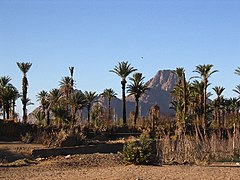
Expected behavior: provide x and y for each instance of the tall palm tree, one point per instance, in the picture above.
(77, 102)
(136, 88)
(109, 94)
(89, 97)
(196, 105)
(177, 104)
(123, 69)
(237, 71)
(218, 102)
(180, 72)
(205, 71)
(24, 67)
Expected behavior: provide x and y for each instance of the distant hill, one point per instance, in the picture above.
(159, 86)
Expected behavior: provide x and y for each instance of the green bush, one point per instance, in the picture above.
(138, 152)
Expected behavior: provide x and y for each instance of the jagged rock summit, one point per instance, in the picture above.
(160, 87)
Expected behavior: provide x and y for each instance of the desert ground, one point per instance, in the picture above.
(99, 166)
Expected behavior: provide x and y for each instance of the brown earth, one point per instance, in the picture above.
(101, 166)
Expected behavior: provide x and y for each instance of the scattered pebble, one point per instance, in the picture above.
(68, 157)
(40, 159)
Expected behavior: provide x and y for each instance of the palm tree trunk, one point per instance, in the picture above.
(88, 109)
(24, 113)
(136, 111)
(123, 82)
(73, 115)
(8, 111)
(67, 98)
(24, 98)
(185, 96)
(48, 117)
(109, 109)
(4, 110)
(205, 108)
(13, 109)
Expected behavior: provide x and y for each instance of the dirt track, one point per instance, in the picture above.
(102, 166)
(108, 166)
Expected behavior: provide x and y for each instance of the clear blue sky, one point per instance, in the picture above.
(93, 36)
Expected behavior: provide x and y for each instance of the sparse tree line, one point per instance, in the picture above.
(201, 128)
(65, 103)
(190, 100)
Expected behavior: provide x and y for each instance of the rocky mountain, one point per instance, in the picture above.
(159, 86)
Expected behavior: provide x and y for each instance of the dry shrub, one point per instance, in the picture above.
(55, 137)
(182, 150)
(186, 149)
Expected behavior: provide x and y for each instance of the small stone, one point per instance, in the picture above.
(39, 159)
(68, 157)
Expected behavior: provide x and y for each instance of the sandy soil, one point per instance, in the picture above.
(109, 166)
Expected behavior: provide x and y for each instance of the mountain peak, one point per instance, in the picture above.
(164, 80)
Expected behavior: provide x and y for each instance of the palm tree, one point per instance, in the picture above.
(218, 101)
(61, 114)
(39, 116)
(89, 97)
(4, 87)
(177, 104)
(24, 67)
(237, 71)
(42, 97)
(8, 96)
(66, 87)
(196, 105)
(14, 95)
(77, 101)
(109, 94)
(136, 88)
(182, 84)
(123, 69)
(54, 99)
(205, 71)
